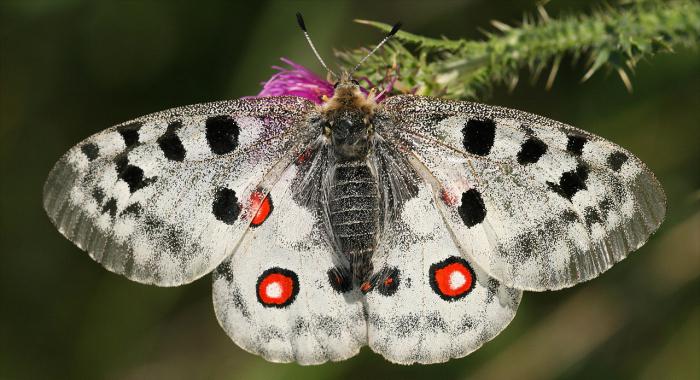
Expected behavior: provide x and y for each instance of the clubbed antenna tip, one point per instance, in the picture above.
(300, 21)
(393, 31)
(302, 25)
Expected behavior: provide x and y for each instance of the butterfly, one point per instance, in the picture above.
(411, 225)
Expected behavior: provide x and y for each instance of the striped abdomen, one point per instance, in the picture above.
(354, 215)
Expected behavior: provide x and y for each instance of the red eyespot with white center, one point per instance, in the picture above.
(277, 287)
(452, 278)
(261, 205)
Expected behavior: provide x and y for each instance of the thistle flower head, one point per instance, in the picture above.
(297, 80)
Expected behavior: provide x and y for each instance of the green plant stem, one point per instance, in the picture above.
(615, 39)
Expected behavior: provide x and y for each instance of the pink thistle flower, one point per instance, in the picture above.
(296, 81)
(300, 81)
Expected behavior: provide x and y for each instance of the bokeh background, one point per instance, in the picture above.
(69, 68)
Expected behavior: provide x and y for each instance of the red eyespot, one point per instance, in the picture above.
(262, 205)
(277, 287)
(452, 278)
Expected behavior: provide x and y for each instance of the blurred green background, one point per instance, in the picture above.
(69, 68)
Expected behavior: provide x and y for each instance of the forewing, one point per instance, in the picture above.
(163, 199)
(280, 295)
(536, 203)
(431, 304)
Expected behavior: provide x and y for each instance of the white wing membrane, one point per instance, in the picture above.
(274, 297)
(437, 305)
(538, 204)
(164, 198)
(477, 204)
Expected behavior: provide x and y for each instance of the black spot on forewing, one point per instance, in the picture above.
(472, 210)
(575, 144)
(131, 174)
(571, 182)
(130, 133)
(225, 206)
(134, 177)
(531, 151)
(170, 143)
(110, 207)
(222, 134)
(616, 160)
(132, 209)
(479, 136)
(591, 216)
(569, 216)
(99, 195)
(605, 206)
(121, 163)
(90, 150)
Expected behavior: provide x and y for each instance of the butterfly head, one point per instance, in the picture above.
(347, 120)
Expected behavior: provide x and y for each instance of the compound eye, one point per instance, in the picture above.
(356, 83)
(335, 85)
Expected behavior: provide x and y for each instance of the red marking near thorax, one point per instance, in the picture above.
(365, 287)
(447, 197)
(262, 205)
(304, 156)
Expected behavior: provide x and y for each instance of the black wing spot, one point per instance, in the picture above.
(99, 195)
(569, 216)
(616, 160)
(121, 163)
(132, 209)
(90, 150)
(130, 133)
(225, 206)
(472, 210)
(131, 174)
(575, 144)
(605, 206)
(111, 207)
(170, 143)
(531, 151)
(340, 280)
(591, 216)
(571, 182)
(134, 177)
(388, 281)
(224, 270)
(222, 134)
(479, 136)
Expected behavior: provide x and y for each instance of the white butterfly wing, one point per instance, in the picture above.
(163, 199)
(536, 203)
(432, 304)
(274, 296)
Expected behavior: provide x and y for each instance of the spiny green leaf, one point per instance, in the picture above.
(612, 39)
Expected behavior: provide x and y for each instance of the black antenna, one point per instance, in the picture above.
(391, 33)
(302, 25)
